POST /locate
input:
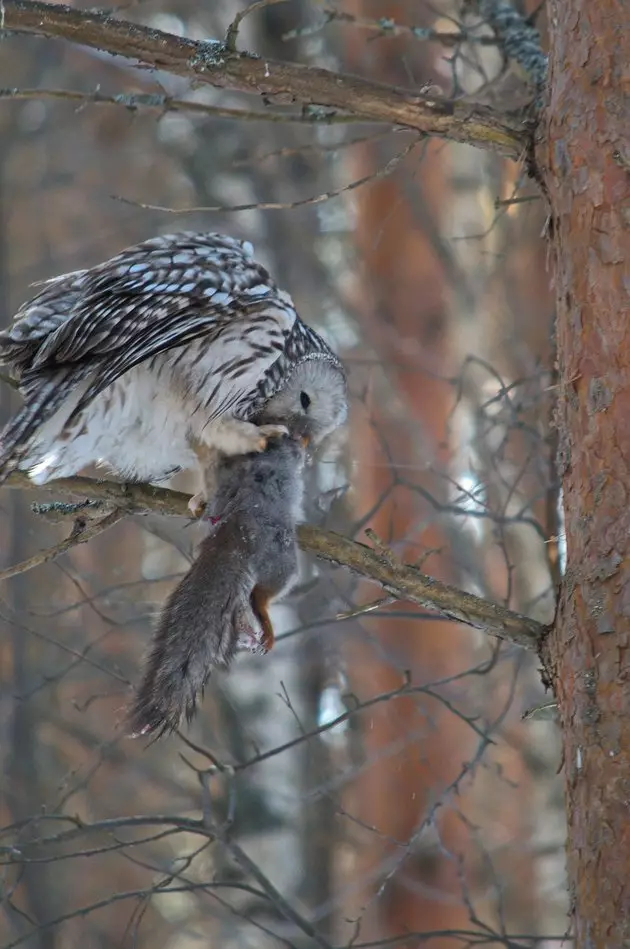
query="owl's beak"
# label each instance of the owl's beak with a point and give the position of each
(300, 430)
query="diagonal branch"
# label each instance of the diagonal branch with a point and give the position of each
(405, 582)
(81, 533)
(210, 62)
(399, 580)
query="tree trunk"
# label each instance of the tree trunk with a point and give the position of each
(587, 171)
(403, 314)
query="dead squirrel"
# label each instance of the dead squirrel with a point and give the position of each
(222, 604)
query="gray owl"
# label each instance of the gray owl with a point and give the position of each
(178, 347)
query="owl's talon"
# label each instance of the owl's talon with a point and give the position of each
(271, 431)
(197, 505)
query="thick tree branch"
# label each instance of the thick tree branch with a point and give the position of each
(405, 582)
(212, 63)
(399, 580)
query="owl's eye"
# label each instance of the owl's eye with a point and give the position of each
(305, 400)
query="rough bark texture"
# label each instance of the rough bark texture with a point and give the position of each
(588, 178)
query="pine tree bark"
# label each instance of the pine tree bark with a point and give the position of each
(586, 162)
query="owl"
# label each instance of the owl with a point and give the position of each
(177, 348)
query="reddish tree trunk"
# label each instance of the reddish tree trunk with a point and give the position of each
(408, 760)
(404, 314)
(588, 179)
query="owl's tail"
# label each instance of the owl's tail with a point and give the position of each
(44, 397)
(207, 618)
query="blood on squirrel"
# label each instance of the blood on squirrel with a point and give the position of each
(248, 558)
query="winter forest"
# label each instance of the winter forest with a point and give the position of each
(436, 752)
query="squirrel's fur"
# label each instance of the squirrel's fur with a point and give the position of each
(221, 605)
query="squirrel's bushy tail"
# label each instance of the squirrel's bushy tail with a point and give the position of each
(205, 620)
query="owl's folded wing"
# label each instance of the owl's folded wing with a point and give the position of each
(203, 295)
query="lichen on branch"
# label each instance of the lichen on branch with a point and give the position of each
(211, 62)
(400, 581)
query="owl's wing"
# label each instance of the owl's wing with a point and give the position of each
(37, 319)
(150, 298)
(159, 295)
(241, 338)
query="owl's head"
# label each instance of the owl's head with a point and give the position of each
(313, 400)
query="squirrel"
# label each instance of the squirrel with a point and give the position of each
(221, 606)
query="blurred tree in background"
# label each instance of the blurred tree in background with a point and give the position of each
(386, 776)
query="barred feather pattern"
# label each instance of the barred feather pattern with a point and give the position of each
(125, 363)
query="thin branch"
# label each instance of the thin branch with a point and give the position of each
(110, 900)
(383, 172)
(402, 691)
(130, 498)
(315, 148)
(282, 905)
(81, 533)
(522, 199)
(397, 579)
(232, 30)
(407, 583)
(388, 27)
(210, 62)
(137, 101)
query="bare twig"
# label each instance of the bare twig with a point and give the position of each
(142, 101)
(521, 199)
(315, 148)
(388, 27)
(406, 689)
(387, 169)
(398, 580)
(233, 28)
(407, 583)
(380, 546)
(308, 86)
(365, 609)
(82, 531)
(282, 905)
